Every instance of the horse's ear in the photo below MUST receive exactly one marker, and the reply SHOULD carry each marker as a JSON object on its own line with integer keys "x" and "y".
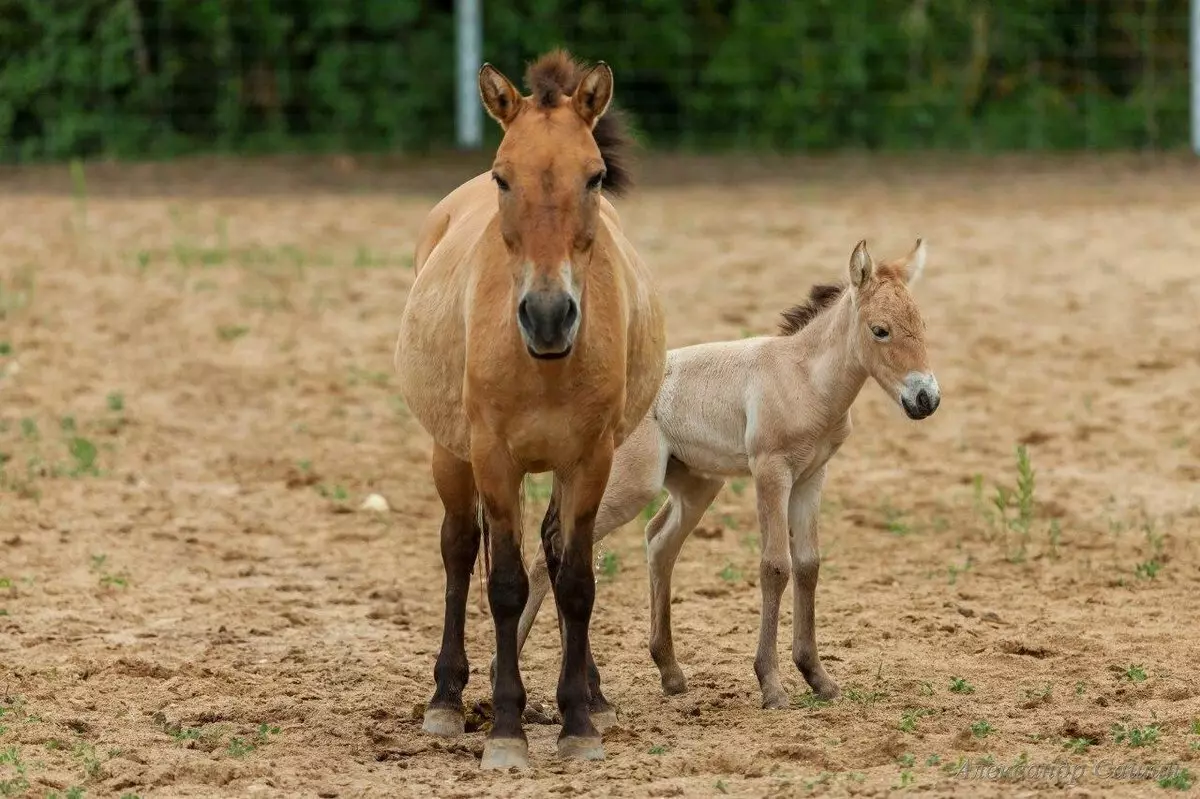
{"x": 594, "y": 94}
{"x": 861, "y": 265}
{"x": 914, "y": 262}
{"x": 500, "y": 97}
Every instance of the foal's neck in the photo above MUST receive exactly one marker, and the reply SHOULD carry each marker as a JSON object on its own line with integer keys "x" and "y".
{"x": 835, "y": 371}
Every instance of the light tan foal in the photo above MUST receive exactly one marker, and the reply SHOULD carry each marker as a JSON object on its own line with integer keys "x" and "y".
{"x": 776, "y": 408}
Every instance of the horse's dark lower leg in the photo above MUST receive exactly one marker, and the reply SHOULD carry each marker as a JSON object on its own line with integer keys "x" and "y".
{"x": 460, "y": 547}
{"x": 552, "y": 545}
{"x": 508, "y": 589}
{"x": 575, "y": 594}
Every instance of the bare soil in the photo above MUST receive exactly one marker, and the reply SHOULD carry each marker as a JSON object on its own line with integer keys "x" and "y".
{"x": 196, "y": 395}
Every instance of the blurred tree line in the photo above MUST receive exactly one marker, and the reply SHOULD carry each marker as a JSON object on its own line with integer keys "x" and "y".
{"x": 145, "y": 78}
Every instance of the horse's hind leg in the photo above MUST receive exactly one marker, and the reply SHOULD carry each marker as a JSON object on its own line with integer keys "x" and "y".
{"x": 460, "y": 546}
{"x": 690, "y": 496}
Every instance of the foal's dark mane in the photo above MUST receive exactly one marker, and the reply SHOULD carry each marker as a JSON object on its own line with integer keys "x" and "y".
{"x": 820, "y": 297}
{"x": 557, "y": 74}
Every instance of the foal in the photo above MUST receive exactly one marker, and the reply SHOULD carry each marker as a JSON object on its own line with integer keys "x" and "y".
{"x": 776, "y": 408}
{"x": 532, "y": 340}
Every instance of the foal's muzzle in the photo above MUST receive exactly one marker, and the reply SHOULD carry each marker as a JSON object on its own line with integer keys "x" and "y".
{"x": 549, "y": 321}
{"x": 920, "y": 396}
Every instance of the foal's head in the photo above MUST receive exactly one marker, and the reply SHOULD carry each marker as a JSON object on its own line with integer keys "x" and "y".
{"x": 558, "y": 152}
{"x": 889, "y": 332}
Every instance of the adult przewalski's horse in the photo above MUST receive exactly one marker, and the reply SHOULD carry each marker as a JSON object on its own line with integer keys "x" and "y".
{"x": 776, "y": 408}
{"x": 532, "y": 341}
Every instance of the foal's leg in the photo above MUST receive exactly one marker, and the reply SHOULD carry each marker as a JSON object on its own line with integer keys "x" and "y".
{"x": 773, "y": 485}
{"x": 460, "y": 546}
{"x": 575, "y": 595}
{"x": 690, "y": 496}
{"x": 803, "y": 514}
{"x": 499, "y": 483}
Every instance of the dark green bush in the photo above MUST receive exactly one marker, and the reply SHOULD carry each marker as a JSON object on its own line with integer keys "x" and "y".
{"x": 138, "y": 78}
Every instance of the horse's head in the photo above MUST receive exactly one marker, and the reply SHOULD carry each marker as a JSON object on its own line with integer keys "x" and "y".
{"x": 558, "y": 153}
{"x": 890, "y": 333}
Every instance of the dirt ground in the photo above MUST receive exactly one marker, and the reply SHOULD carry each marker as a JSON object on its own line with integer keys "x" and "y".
{"x": 196, "y": 395}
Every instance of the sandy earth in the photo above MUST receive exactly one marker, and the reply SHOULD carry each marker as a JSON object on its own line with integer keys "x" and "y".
{"x": 196, "y": 395}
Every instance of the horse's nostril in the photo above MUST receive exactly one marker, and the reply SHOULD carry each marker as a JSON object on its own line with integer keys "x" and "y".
{"x": 571, "y": 314}
{"x": 523, "y": 314}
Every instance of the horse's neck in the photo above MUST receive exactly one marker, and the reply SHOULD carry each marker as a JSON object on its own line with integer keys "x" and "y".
{"x": 835, "y": 372}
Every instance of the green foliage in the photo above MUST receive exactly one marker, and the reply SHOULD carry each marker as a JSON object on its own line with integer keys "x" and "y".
{"x": 131, "y": 78}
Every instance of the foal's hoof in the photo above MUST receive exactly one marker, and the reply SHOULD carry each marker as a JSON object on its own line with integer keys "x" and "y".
{"x": 445, "y": 721}
{"x": 505, "y": 753}
{"x": 575, "y": 747}
{"x": 604, "y": 718}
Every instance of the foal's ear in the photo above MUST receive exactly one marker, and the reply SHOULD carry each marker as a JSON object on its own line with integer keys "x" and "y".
{"x": 500, "y": 97}
{"x": 594, "y": 94}
{"x": 861, "y": 265}
{"x": 914, "y": 262}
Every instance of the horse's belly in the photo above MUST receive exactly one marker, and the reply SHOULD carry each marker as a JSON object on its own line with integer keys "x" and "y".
{"x": 429, "y": 363}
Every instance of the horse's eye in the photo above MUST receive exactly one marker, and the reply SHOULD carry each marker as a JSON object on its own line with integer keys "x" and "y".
{"x": 880, "y": 333}
{"x": 596, "y": 181}
{"x": 501, "y": 183}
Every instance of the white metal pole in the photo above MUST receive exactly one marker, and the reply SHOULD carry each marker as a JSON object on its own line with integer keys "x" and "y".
{"x": 469, "y": 45}
{"x": 1195, "y": 76}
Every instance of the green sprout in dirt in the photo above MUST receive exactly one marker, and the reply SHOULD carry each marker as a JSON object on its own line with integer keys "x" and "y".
{"x": 13, "y": 779}
{"x": 1078, "y": 745}
{"x": 657, "y": 749}
{"x": 1136, "y": 736}
{"x": 811, "y": 701}
{"x": 1135, "y": 673}
{"x": 1180, "y": 779}
{"x": 1149, "y": 568}
{"x": 608, "y": 565}
{"x": 910, "y": 717}
{"x": 653, "y": 506}
{"x": 1012, "y": 509}
{"x": 238, "y": 748}
{"x": 959, "y": 685}
{"x": 730, "y": 573}
{"x": 982, "y": 729}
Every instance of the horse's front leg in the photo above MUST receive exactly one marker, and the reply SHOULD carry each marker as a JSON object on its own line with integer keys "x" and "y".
{"x": 773, "y": 485}
{"x": 803, "y": 514}
{"x": 546, "y": 566}
{"x": 498, "y": 480}
{"x": 582, "y": 489}
{"x": 460, "y": 547}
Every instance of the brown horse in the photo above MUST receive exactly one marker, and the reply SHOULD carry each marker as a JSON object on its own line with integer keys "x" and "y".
{"x": 532, "y": 341}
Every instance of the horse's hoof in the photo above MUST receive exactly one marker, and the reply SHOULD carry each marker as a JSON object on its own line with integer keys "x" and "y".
{"x": 445, "y": 721}
{"x": 505, "y": 753}
{"x": 673, "y": 682}
{"x": 603, "y": 719}
{"x": 776, "y": 703}
{"x": 575, "y": 747}
{"x": 827, "y": 692}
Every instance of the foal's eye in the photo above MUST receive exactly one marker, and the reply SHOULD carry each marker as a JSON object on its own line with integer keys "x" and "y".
{"x": 595, "y": 181}
{"x": 501, "y": 183}
{"x": 880, "y": 333}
